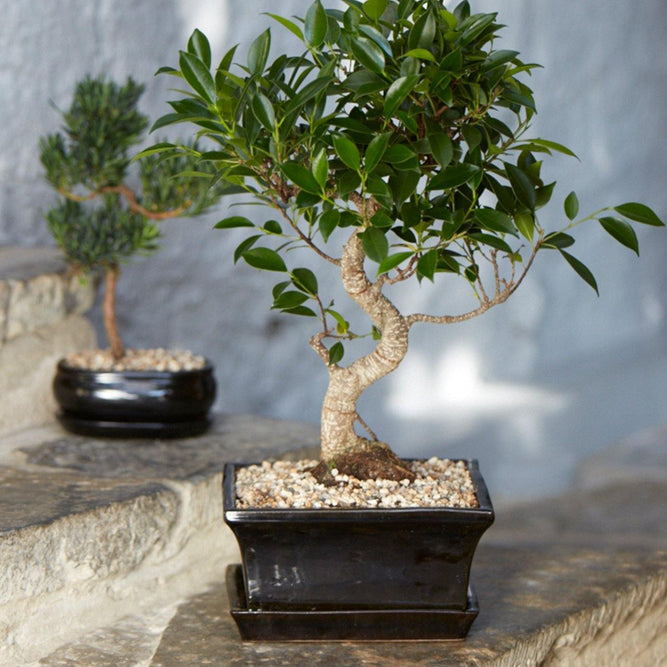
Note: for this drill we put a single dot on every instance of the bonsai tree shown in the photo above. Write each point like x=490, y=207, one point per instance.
x=100, y=221
x=395, y=146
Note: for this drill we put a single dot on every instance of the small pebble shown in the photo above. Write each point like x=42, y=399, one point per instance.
x=439, y=483
x=137, y=360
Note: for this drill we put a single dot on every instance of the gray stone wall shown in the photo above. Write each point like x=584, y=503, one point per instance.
x=530, y=388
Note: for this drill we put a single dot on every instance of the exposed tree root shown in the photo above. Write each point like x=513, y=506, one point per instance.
x=376, y=462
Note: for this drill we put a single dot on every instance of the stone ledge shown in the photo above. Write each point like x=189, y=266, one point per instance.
x=28, y=365
x=128, y=551
x=91, y=528
x=37, y=290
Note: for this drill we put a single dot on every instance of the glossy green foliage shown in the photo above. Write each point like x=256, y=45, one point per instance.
x=406, y=105
x=95, y=224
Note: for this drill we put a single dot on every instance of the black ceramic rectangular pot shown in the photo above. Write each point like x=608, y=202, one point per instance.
x=357, y=560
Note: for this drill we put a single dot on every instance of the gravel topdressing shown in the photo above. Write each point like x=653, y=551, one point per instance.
x=288, y=485
x=157, y=359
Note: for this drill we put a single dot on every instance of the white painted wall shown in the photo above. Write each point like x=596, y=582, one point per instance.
x=529, y=389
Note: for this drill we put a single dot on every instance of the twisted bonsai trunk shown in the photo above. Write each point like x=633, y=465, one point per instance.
x=342, y=447
x=109, y=312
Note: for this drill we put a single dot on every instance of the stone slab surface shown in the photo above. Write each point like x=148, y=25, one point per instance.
x=574, y=580
x=536, y=605
x=91, y=529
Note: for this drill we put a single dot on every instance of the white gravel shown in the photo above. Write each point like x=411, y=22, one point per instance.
x=287, y=484
x=157, y=359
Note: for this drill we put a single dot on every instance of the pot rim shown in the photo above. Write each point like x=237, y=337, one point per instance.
x=484, y=514
x=63, y=367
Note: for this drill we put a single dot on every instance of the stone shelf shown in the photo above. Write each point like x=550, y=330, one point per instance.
x=114, y=553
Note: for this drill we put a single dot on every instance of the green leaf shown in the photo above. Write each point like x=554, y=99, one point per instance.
x=375, y=244
x=639, y=213
x=554, y=146
x=272, y=227
x=263, y=110
x=427, y=264
x=496, y=221
x=258, y=53
x=245, y=245
x=622, y=231
x=342, y=325
x=493, y=241
x=398, y=91
x=453, y=177
x=521, y=185
x=404, y=185
x=265, y=259
x=423, y=32
x=525, y=223
x=320, y=168
x=198, y=76
x=300, y=176
x=279, y=288
x=392, y=261
x=398, y=154
x=571, y=206
x=328, y=222
x=368, y=53
x=375, y=151
x=347, y=152
x=307, y=93
x=300, y=310
x=375, y=8
x=582, y=270
x=315, y=27
x=421, y=54
x=336, y=353
x=292, y=27
x=452, y=62
x=498, y=58
x=305, y=280
x=382, y=220
x=441, y=147
x=199, y=46
x=233, y=221
x=557, y=240
x=289, y=299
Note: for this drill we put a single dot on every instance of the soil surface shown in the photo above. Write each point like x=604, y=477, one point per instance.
x=157, y=359
x=289, y=484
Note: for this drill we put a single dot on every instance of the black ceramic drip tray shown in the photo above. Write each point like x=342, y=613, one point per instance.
x=341, y=624
x=133, y=429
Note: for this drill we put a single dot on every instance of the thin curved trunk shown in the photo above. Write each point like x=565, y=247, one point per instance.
x=339, y=439
x=109, y=312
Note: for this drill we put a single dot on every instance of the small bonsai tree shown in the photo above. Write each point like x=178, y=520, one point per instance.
x=101, y=221
x=395, y=147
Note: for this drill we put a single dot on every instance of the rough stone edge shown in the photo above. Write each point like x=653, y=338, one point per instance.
x=191, y=556
x=583, y=637
x=28, y=366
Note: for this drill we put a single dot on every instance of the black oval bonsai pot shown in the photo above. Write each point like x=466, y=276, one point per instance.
x=399, y=573
x=159, y=404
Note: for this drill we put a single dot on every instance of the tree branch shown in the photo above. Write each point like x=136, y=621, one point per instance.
x=130, y=198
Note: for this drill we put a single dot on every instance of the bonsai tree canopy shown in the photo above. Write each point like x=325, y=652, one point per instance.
x=100, y=221
x=394, y=145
